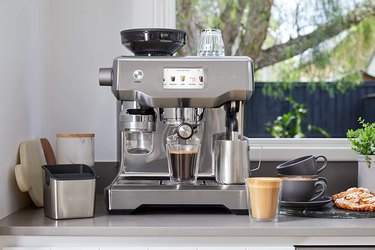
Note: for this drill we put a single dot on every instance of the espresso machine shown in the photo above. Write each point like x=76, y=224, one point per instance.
x=159, y=95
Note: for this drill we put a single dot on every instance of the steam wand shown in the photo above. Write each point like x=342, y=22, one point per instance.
x=231, y=122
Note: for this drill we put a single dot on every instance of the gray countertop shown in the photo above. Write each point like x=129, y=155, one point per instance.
x=31, y=221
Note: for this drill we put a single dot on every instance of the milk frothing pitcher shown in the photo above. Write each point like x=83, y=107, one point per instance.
x=232, y=160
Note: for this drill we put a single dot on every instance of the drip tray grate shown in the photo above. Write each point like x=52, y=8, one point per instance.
x=135, y=182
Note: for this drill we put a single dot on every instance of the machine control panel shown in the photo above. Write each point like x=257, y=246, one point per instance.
x=191, y=82
x=183, y=78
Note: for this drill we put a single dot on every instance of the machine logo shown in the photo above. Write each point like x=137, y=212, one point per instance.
x=138, y=74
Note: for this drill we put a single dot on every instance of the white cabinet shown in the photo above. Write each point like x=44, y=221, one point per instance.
x=270, y=248
x=172, y=248
x=148, y=248
x=26, y=248
x=221, y=248
x=123, y=248
x=75, y=248
x=246, y=248
x=55, y=248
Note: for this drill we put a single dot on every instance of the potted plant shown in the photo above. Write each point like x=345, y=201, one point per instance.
x=363, y=142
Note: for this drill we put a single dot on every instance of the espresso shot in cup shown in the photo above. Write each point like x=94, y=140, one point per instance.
x=263, y=198
x=183, y=162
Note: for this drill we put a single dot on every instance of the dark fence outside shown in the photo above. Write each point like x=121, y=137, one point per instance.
x=335, y=114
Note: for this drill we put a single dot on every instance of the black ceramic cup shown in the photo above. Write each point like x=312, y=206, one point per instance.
x=306, y=165
x=303, y=189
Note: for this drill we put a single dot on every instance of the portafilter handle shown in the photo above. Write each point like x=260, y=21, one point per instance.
x=185, y=131
x=105, y=76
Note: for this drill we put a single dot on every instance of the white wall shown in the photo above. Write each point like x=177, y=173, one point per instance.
x=50, y=53
x=85, y=35
x=23, y=56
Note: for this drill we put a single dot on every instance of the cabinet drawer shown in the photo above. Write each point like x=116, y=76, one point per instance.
x=26, y=248
x=336, y=248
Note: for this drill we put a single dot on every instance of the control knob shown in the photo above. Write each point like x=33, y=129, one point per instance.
x=105, y=76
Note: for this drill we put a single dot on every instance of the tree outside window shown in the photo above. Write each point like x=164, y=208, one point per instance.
x=320, y=46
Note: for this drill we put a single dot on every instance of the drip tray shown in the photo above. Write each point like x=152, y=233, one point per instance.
x=181, y=209
x=130, y=194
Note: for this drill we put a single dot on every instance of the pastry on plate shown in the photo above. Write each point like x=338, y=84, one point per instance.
x=355, y=199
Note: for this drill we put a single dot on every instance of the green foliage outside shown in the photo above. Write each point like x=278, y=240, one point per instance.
x=290, y=125
x=325, y=43
x=346, y=60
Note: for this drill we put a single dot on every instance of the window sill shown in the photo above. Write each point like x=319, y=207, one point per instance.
x=282, y=149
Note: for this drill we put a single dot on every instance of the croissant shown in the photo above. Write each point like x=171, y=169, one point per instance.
x=355, y=199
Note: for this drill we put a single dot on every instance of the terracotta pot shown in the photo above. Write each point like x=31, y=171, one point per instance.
x=366, y=172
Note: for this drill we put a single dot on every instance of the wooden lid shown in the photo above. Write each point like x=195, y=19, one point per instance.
x=75, y=135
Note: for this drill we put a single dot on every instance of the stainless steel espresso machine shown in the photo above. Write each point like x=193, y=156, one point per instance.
x=160, y=95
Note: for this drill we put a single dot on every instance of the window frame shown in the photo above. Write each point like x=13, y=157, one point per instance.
x=273, y=149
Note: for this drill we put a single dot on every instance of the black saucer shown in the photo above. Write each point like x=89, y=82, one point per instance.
x=307, y=204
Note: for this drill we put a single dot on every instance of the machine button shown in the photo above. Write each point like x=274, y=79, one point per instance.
x=138, y=74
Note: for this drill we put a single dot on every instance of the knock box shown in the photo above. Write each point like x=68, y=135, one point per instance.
x=69, y=191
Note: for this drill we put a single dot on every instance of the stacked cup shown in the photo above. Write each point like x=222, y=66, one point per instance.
x=301, y=180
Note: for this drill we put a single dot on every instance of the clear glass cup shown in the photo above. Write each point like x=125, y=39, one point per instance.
x=211, y=43
x=263, y=198
x=183, y=162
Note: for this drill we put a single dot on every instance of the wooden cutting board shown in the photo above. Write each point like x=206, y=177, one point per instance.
x=48, y=152
x=29, y=173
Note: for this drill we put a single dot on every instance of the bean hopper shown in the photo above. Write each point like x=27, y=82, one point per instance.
x=160, y=95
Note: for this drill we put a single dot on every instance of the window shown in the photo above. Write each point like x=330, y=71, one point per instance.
x=304, y=72
x=303, y=68
x=336, y=149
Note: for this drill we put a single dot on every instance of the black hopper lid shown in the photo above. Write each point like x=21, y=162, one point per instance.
x=153, y=42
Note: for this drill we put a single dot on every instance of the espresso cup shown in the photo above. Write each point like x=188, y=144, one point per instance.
x=303, y=189
x=306, y=165
x=183, y=162
x=263, y=198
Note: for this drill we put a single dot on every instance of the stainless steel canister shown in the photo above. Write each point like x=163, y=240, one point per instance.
x=232, y=160
x=69, y=191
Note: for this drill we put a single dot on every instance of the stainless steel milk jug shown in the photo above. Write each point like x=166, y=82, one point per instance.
x=232, y=160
